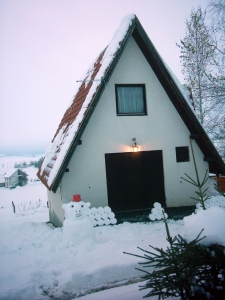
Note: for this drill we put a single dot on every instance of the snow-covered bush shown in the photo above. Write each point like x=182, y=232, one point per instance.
x=213, y=222
x=218, y=201
x=29, y=207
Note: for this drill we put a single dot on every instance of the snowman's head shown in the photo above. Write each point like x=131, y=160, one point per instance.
x=73, y=211
x=85, y=205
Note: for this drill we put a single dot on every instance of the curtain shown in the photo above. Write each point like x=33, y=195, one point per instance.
x=130, y=100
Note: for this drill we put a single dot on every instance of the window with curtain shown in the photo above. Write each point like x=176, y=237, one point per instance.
x=130, y=99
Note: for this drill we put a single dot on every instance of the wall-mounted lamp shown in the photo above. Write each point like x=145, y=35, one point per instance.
x=135, y=146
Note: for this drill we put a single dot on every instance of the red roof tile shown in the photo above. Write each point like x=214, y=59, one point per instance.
x=70, y=115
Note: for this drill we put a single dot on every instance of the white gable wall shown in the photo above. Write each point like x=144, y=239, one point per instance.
x=56, y=213
x=161, y=129
x=12, y=179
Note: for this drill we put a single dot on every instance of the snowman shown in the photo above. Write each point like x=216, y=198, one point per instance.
x=77, y=226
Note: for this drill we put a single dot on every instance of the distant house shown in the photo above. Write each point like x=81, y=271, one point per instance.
x=124, y=141
x=15, y=177
x=2, y=179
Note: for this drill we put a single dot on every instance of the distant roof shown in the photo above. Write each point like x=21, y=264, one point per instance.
x=6, y=173
x=92, y=85
x=10, y=172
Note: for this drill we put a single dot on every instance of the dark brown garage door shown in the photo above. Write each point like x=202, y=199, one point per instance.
x=134, y=180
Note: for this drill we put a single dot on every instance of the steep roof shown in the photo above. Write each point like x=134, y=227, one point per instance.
x=10, y=172
x=92, y=85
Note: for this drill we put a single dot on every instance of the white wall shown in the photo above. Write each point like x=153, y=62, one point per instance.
x=12, y=180
x=56, y=213
x=161, y=129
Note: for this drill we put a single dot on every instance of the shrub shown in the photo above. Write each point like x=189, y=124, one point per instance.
x=185, y=270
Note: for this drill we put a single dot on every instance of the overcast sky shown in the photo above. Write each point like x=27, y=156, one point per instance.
x=46, y=45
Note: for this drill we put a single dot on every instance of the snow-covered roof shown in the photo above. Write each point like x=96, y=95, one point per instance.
x=78, y=113
x=74, y=115
x=10, y=172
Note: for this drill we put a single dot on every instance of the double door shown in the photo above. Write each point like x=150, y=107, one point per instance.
x=134, y=180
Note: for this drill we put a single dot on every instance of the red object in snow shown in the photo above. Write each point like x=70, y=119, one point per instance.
x=76, y=198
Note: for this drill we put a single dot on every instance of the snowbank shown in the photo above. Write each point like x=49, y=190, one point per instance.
x=213, y=222
x=40, y=263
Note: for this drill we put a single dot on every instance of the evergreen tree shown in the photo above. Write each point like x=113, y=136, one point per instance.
x=185, y=270
x=202, y=191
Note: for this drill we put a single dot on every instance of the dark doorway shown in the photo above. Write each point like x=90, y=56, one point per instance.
x=134, y=180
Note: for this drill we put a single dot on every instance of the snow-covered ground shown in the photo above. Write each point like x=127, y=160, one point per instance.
x=37, y=263
x=35, y=259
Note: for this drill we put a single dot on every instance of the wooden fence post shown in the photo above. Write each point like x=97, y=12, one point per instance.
x=14, y=208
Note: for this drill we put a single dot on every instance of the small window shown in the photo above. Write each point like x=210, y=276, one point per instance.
x=182, y=154
x=130, y=99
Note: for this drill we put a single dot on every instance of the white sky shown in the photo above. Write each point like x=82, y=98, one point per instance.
x=46, y=45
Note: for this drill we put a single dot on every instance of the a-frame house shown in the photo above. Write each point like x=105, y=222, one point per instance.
x=128, y=98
